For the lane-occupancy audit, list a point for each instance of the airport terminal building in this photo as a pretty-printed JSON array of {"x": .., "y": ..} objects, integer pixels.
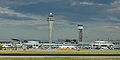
[{"x": 67, "y": 43}]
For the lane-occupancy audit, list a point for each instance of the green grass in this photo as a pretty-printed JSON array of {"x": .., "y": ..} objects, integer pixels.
[
  {"x": 63, "y": 52},
  {"x": 59, "y": 58}
]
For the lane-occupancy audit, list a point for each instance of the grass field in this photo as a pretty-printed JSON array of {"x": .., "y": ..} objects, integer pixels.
[
  {"x": 63, "y": 52},
  {"x": 60, "y": 58}
]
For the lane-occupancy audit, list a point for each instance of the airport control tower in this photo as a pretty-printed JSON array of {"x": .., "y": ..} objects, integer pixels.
[
  {"x": 50, "y": 22},
  {"x": 80, "y": 28}
]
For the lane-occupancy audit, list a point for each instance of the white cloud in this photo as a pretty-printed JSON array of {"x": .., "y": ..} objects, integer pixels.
[
  {"x": 5, "y": 3},
  {"x": 115, "y": 3},
  {"x": 11, "y": 12},
  {"x": 6, "y": 11},
  {"x": 115, "y": 27},
  {"x": 16, "y": 23},
  {"x": 74, "y": 3},
  {"x": 86, "y": 3},
  {"x": 101, "y": 4},
  {"x": 27, "y": 22},
  {"x": 116, "y": 9},
  {"x": 91, "y": 3},
  {"x": 114, "y": 6},
  {"x": 39, "y": 20}
]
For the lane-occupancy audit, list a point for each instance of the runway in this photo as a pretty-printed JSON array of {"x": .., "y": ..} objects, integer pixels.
[{"x": 60, "y": 55}]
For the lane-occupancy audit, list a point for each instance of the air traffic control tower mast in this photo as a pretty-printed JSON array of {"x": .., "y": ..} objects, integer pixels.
[
  {"x": 50, "y": 22},
  {"x": 80, "y": 28}
]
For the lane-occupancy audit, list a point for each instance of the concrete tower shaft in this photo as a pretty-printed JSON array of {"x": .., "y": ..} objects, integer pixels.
[{"x": 50, "y": 22}]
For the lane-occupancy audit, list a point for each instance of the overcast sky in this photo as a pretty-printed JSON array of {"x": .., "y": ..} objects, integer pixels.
[{"x": 27, "y": 19}]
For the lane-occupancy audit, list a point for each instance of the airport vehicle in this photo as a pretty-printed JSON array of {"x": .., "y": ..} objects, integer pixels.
[
  {"x": 67, "y": 47},
  {"x": 7, "y": 45},
  {"x": 102, "y": 45}
]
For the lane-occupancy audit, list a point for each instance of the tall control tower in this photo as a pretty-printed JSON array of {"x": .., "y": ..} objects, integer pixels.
[
  {"x": 50, "y": 22},
  {"x": 80, "y": 28}
]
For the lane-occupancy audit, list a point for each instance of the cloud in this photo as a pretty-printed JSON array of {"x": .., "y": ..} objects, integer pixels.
[
  {"x": 6, "y": 10},
  {"x": 115, "y": 9},
  {"x": 111, "y": 30},
  {"x": 116, "y": 24},
  {"x": 28, "y": 22},
  {"x": 115, "y": 27},
  {"x": 13, "y": 18},
  {"x": 115, "y": 3},
  {"x": 74, "y": 3},
  {"x": 22, "y": 23},
  {"x": 41, "y": 27},
  {"x": 6, "y": 13},
  {"x": 114, "y": 6},
  {"x": 91, "y": 3},
  {"x": 31, "y": 24},
  {"x": 101, "y": 4},
  {"x": 86, "y": 3},
  {"x": 106, "y": 18},
  {"x": 4, "y": 3},
  {"x": 61, "y": 22}
]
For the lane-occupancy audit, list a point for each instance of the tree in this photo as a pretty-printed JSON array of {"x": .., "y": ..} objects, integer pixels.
[{"x": 0, "y": 47}]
